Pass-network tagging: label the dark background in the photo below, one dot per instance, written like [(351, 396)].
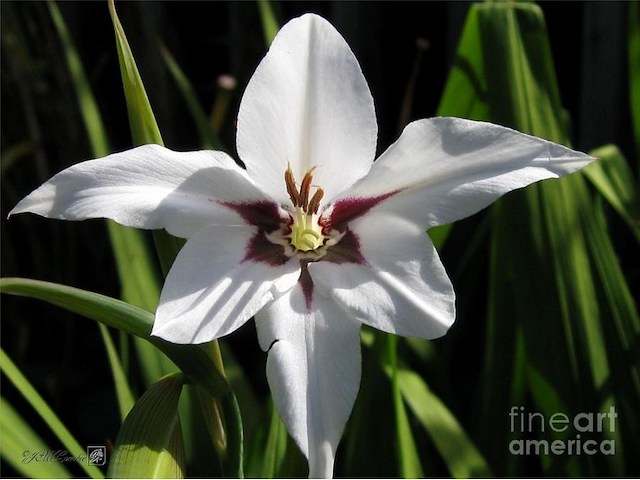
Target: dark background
[(63, 355)]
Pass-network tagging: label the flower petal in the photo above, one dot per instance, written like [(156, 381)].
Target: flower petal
[(313, 370), (147, 187), (401, 287), (213, 288), (309, 105), (445, 169)]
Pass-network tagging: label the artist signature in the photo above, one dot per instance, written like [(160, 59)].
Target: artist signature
[(61, 456)]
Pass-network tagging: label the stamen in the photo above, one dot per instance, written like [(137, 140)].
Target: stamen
[(290, 182), (304, 190), (303, 236), (314, 204)]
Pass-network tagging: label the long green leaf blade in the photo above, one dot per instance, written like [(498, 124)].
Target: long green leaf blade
[(124, 394), (408, 459), (208, 137), (144, 128), (458, 451), (193, 360), (48, 415), (18, 441), (270, 25), (134, 262)]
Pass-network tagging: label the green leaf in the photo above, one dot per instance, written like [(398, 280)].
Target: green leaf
[(125, 397), (134, 262), (408, 459), (458, 451), (549, 242), (18, 440), (14, 375), (615, 181), (149, 444), (194, 360), (88, 106), (270, 25), (268, 463), (208, 137), (144, 128), (465, 93)]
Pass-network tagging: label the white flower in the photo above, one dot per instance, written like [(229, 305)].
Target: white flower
[(313, 238)]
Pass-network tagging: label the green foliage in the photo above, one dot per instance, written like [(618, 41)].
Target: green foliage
[(558, 314), (149, 444), (15, 376), (18, 439)]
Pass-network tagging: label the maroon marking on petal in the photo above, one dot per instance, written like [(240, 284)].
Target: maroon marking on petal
[(306, 283), (347, 250), (260, 249), (263, 214), (348, 209)]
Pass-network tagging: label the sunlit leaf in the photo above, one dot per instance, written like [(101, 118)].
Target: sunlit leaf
[(18, 441), (615, 181), (193, 360), (13, 374), (557, 307), (458, 451), (133, 259), (144, 128), (149, 444)]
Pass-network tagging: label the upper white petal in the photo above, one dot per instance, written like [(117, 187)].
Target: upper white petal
[(402, 288), (147, 187), (213, 288), (449, 168), (309, 105), (313, 370)]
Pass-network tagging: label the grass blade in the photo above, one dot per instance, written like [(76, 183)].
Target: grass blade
[(17, 438), (136, 269), (144, 128), (270, 25), (208, 137), (124, 394), (194, 360), (408, 459), (458, 451), (42, 408), (615, 181)]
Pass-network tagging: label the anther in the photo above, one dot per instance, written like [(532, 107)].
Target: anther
[(290, 182), (314, 204), (304, 190)]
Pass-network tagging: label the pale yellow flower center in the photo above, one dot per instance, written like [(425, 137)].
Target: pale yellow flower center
[(306, 233)]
